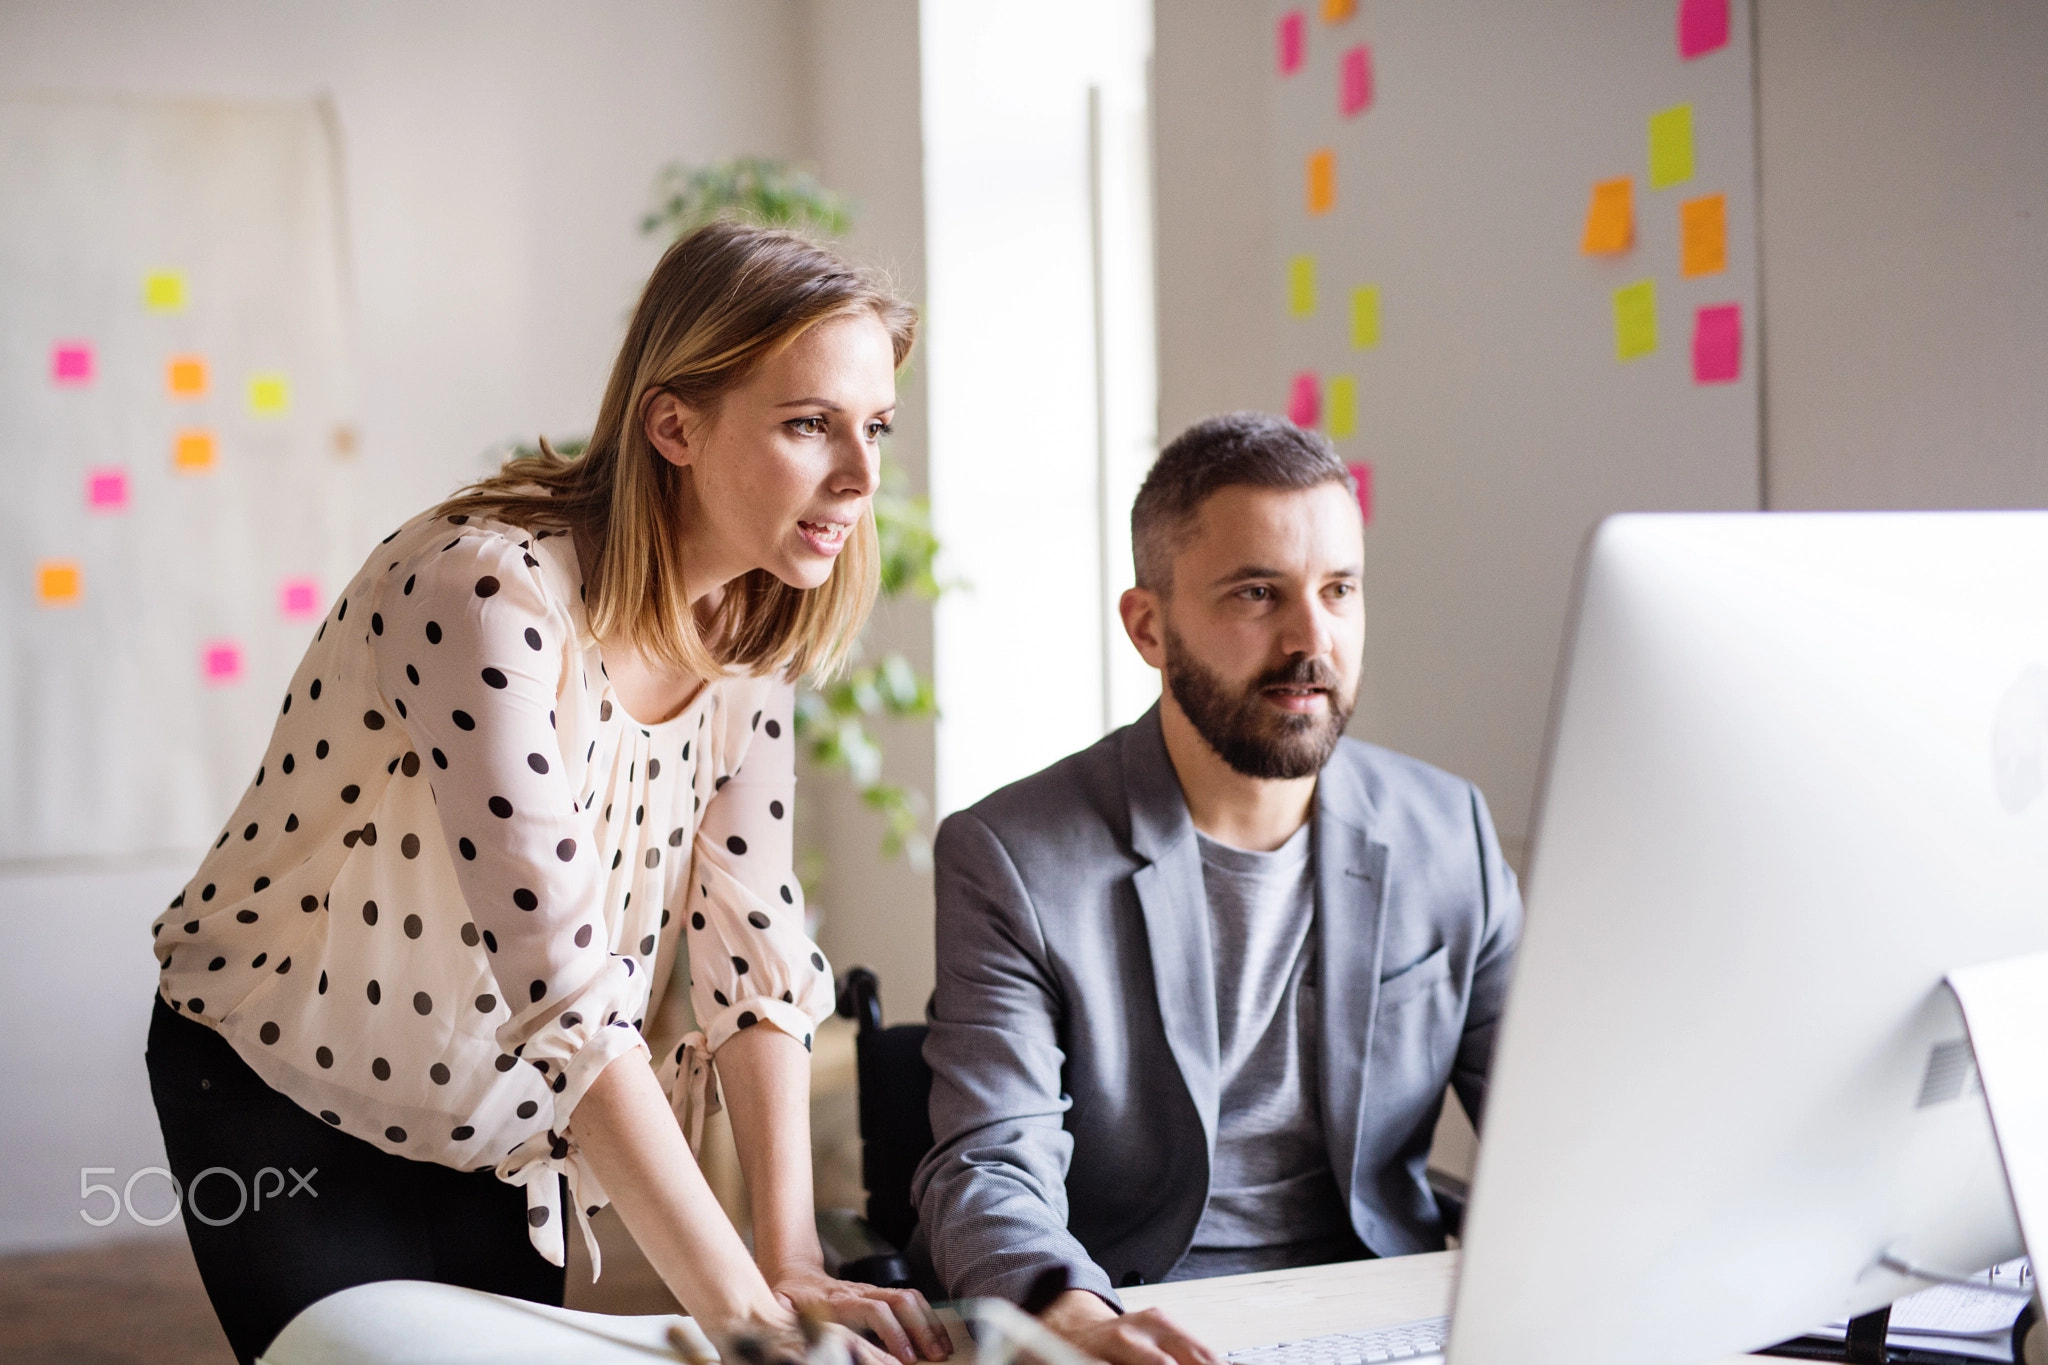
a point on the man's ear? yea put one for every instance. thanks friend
(670, 425)
(1144, 615)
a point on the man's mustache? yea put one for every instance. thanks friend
(1300, 672)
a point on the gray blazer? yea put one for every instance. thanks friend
(1073, 1029)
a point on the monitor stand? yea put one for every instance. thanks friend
(2005, 1010)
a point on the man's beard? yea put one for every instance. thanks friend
(1251, 736)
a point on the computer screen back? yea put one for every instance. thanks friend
(1795, 774)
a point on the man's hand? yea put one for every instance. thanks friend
(899, 1318)
(1148, 1338)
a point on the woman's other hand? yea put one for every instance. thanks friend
(900, 1318)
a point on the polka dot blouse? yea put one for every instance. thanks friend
(464, 877)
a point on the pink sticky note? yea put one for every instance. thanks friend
(106, 490)
(1361, 474)
(71, 362)
(1702, 27)
(1305, 401)
(222, 662)
(1354, 80)
(1292, 39)
(1717, 344)
(299, 599)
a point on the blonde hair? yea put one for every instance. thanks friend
(722, 300)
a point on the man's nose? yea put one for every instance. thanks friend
(1306, 630)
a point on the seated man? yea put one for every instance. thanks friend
(1202, 985)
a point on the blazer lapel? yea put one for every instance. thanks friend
(1175, 906)
(1350, 896)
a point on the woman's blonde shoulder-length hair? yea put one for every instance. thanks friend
(722, 300)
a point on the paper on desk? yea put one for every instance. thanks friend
(1952, 1313)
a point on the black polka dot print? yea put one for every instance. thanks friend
(470, 671)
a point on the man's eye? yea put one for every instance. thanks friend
(807, 426)
(1258, 592)
(1343, 589)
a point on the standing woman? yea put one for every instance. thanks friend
(526, 815)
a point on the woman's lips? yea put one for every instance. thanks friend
(825, 538)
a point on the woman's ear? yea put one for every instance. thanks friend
(671, 426)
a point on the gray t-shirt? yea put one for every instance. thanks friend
(1273, 1199)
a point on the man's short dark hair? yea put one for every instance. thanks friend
(1256, 449)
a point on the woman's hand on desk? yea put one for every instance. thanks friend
(901, 1318)
(1146, 1338)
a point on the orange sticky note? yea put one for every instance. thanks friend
(193, 453)
(1610, 218)
(1322, 180)
(1703, 236)
(1337, 11)
(187, 376)
(59, 582)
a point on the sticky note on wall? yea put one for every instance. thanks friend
(1671, 146)
(1610, 218)
(299, 599)
(106, 489)
(1717, 344)
(186, 376)
(1354, 81)
(163, 291)
(1337, 11)
(1361, 476)
(221, 662)
(1702, 27)
(1635, 320)
(270, 395)
(193, 452)
(1290, 41)
(71, 363)
(1703, 236)
(1305, 400)
(1343, 402)
(1322, 180)
(59, 583)
(1301, 287)
(1365, 317)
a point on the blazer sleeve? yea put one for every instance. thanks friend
(992, 1194)
(1501, 912)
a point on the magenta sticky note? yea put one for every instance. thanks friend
(1717, 344)
(1291, 40)
(1702, 27)
(71, 362)
(1361, 475)
(1305, 400)
(106, 490)
(1354, 80)
(299, 599)
(221, 661)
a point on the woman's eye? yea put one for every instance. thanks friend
(807, 426)
(877, 430)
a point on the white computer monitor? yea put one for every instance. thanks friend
(1795, 773)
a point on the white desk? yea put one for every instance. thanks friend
(405, 1322)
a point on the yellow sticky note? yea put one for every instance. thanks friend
(1635, 320)
(1671, 146)
(269, 395)
(163, 291)
(186, 376)
(1337, 11)
(58, 582)
(1703, 236)
(1365, 317)
(1322, 180)
(1610, 218)
(1301, 286)
(193, 453)
(1341, 395)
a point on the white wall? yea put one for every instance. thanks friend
(1905, 197)
(497, 159)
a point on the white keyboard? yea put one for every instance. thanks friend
(1403, 1341)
